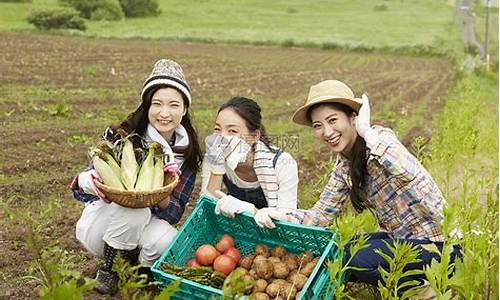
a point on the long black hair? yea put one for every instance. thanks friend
(138, 121)
(358, 159)
(250, 112)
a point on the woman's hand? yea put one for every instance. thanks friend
(86, 181)
(172, 167)
(221, 149)
(363, 118)
(229, 205)
(264, 216)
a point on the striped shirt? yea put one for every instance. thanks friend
(405, 199)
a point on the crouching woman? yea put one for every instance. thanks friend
(107, 229)
(373, 171)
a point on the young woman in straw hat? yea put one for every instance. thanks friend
(108, 229)
(240, 157)
(374, 171)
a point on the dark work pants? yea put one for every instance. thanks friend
(370, 261)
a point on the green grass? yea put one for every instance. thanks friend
(326, 24)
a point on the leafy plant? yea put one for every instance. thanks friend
(402, 254)
(60, 109)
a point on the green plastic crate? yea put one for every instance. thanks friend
(205, 227)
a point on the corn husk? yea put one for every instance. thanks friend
(129, 167)
(105, 171)
(146, 173)
(158, 173)
(113, 164)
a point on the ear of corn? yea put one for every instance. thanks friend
(107, 175)
(146, 173)
(158, 173)
(113, 164)
(129, 166)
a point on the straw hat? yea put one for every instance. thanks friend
(328, 91)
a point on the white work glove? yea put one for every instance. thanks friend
(229, 205)
(225, 149)
(264, 216)
(363, 122)
(86, 181)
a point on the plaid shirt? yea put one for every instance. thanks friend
(406, 201)
(179, 197)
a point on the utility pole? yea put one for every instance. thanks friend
(487, 55)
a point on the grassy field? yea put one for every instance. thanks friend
(377, 23)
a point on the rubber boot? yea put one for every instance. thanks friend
(106, 279)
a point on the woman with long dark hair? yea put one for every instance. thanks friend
(142, 234)
(240, 157)
(373, 171)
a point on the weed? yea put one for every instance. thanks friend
(61, 109)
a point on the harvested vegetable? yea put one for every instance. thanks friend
(128, 166)
(224, 264)
(145, 178)
(205, 255)
(298, 280)
(234, 253)
(260, 285)
(225, 242)
(278, 252)
(280, 270)
(203, 275)
(105, 172)
(246, 262)
(262, 250)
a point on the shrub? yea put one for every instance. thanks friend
(109, 10)
(140, 8)
(56, 18)
(96, 9)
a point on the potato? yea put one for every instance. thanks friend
(282, 288)
(260, 285)
(261, 250)
(298, 280)
(274, 260)
(253, 273)
(308, 268)
(278, 252)
(290, 261)
(280, 270)
(260, 296)
(246, 262)
(304, 257)
(273, 289)
(264, 269)
(259, 257)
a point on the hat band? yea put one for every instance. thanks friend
(167, 77)
(169, 82)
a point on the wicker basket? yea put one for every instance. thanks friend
(135, 199)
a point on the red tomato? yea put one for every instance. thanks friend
(225, 242)
(218, 253)
(234, 253)
(224, 264)
(192, 263)
(205, 255)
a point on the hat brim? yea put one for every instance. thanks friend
(300, 115)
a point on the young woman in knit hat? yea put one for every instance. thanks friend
(108, 229)
(373, 171)
(240, 157)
